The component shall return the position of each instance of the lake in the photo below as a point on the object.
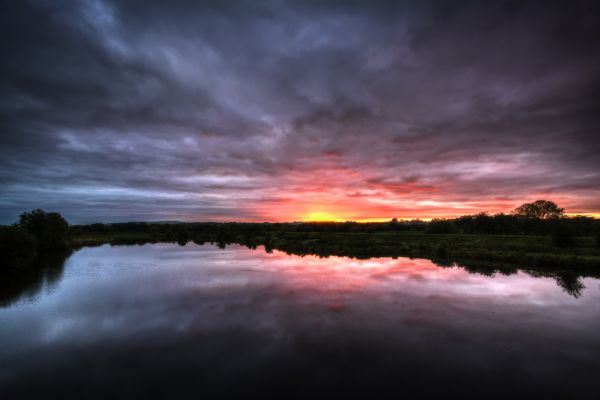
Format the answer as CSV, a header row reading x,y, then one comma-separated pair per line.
x,y
163,320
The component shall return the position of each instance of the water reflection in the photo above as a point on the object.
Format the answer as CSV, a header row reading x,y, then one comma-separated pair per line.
x,y
165,320
47,271
26,283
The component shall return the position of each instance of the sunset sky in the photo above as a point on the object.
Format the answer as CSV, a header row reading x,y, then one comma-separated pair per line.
x,y
297,110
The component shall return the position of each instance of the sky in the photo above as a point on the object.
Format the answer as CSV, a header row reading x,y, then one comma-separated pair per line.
x,y
297,110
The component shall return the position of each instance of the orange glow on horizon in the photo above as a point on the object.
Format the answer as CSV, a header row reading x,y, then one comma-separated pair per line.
x,y
590,215
318,202
330,217
327,216
347,216
322,216
344,194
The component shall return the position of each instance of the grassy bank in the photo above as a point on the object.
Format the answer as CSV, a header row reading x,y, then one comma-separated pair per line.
x,y
493,250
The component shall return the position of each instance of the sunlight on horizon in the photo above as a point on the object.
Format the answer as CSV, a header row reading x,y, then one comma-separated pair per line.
x,y
322,216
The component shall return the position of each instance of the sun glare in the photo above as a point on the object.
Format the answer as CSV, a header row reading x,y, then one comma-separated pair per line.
x,y
322,216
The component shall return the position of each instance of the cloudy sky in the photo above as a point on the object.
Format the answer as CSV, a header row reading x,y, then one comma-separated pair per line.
x,y
291,110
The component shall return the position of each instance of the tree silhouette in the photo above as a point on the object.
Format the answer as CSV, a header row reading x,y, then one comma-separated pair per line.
x,y
50,229
540,209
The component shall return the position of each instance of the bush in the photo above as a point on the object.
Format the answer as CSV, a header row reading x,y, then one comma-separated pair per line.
x,y
50,229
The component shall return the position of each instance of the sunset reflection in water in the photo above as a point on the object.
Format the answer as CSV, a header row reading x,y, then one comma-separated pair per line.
x,y
239,320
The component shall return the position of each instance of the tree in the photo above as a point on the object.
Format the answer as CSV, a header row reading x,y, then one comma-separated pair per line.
x,y
17,247
540,209
50,229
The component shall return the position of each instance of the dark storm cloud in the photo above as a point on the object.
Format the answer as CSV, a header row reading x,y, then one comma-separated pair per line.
x,y
222,110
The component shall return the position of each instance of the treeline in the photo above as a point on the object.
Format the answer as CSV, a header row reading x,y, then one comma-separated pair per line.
x,y
505,224
541,217
174,229
479,224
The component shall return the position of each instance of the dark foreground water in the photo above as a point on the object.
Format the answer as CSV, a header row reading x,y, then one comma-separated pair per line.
x,y
163,320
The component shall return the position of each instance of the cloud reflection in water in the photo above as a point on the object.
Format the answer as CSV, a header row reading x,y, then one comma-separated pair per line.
x,y
196,319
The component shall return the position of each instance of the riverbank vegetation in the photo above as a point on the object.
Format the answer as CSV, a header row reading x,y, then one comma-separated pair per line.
x,y
536,234
563,249
545,242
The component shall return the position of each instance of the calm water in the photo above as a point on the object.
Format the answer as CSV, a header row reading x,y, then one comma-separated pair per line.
x,y
165,320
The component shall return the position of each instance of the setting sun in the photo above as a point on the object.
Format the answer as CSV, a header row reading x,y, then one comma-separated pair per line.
x,y
322,216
